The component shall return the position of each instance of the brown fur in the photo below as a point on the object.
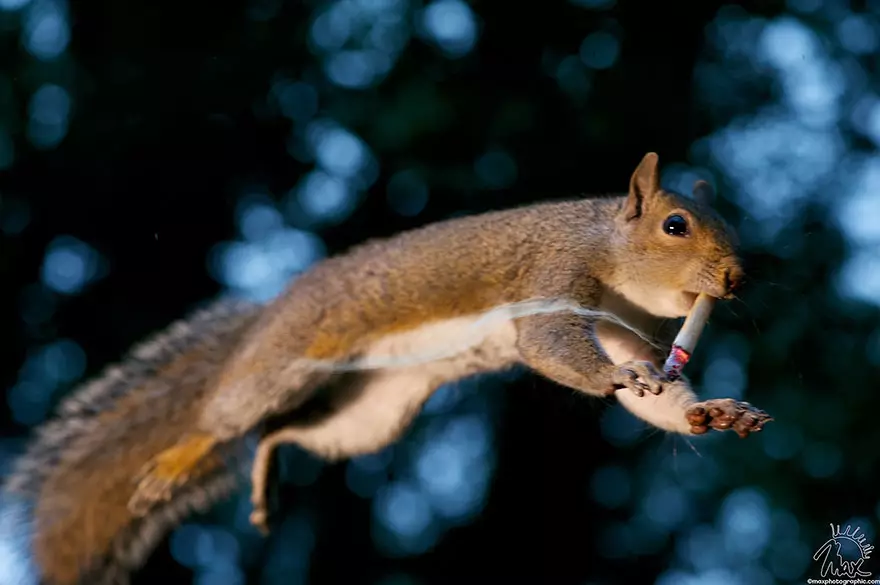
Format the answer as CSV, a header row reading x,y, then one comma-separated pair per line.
x,y
226,374
79,510
575,249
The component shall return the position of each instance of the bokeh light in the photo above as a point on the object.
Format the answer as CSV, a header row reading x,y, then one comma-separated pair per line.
x,y
355,118
451,25
70,265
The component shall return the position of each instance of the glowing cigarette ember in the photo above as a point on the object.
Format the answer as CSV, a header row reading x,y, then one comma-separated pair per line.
x,y
686,340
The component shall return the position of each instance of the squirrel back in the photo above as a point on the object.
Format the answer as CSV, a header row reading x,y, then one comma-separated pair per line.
x,y
75,478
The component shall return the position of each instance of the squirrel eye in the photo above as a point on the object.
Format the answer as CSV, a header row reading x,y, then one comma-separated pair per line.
x,y
675,225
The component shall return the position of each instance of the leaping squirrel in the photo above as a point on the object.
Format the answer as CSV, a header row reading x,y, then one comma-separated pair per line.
x,y
131,453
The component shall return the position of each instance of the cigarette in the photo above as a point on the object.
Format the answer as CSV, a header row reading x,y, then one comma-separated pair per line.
x,y
687,337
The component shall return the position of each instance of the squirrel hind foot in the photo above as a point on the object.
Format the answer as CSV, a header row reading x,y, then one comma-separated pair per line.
x,y
259,519
169,470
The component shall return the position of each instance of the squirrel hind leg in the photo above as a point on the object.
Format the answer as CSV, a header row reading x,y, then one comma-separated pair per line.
x,y
169,470
260,473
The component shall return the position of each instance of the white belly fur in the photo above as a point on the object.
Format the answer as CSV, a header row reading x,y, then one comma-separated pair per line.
x,y
389,398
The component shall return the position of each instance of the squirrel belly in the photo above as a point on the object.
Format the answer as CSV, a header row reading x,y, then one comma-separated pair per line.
x,y
76,476
370,409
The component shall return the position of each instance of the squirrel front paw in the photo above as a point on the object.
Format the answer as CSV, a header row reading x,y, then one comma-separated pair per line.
x,y
639,377
726,413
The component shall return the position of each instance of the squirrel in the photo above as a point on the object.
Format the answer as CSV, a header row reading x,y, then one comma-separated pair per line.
x,y
149,441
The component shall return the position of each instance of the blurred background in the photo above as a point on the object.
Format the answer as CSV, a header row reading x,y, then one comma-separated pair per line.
x,y
156,155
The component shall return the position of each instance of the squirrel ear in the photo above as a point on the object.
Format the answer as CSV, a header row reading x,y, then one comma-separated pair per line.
x,y
704,192
645,182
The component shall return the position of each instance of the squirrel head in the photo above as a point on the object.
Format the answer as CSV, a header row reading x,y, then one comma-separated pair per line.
x,y
673,247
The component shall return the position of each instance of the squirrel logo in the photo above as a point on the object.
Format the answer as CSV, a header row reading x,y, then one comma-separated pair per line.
x,y
843,554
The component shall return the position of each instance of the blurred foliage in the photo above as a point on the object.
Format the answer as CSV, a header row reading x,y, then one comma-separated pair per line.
x,y
152,156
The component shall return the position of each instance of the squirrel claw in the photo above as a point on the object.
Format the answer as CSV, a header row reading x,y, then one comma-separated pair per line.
x,y
639,377
726,414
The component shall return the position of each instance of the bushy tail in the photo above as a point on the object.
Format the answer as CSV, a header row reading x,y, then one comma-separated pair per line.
x,y
77,476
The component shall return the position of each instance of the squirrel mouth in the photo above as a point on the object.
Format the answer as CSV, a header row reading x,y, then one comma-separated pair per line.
x,y
690,298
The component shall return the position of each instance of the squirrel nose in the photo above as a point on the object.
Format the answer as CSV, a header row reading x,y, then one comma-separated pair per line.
x,y
733,277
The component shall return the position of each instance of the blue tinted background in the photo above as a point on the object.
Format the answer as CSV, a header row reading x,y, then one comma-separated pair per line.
x,y
152,157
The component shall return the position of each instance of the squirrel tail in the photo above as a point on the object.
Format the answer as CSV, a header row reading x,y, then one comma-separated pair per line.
x,y
76,478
